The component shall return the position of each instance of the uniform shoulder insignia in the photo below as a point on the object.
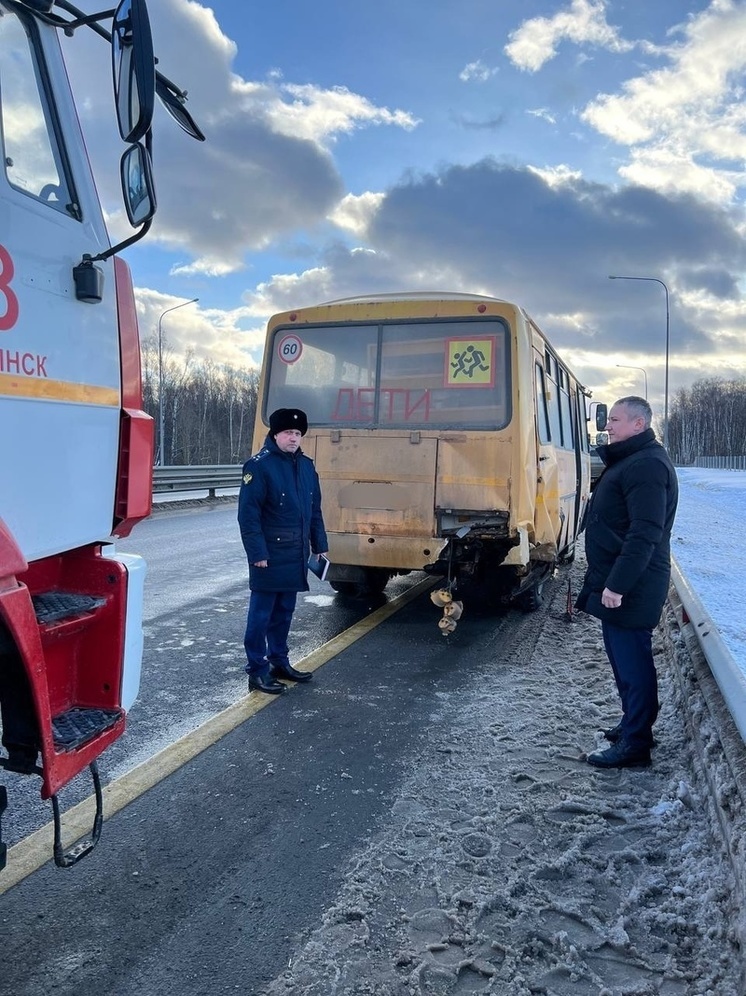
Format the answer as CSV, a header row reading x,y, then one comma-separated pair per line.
x,y
248,478
253,460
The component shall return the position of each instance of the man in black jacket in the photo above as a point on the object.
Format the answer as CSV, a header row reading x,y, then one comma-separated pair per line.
x,y
279,515
627,545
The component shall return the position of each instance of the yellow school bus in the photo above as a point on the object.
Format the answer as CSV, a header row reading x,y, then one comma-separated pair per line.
x,y
448,434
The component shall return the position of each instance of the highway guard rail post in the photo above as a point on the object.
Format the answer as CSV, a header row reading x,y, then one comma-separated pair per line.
x,y
207,477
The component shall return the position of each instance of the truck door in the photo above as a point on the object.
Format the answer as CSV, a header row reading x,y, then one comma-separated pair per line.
x,y
59,357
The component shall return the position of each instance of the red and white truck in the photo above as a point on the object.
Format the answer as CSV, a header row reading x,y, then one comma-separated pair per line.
x,y
76,448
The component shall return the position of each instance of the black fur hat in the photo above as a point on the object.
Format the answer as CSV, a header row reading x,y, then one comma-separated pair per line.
x,y
288,418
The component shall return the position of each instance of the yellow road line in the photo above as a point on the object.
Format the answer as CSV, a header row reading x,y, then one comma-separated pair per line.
x,y
34,851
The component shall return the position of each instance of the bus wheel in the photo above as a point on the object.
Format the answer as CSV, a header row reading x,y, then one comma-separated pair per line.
x,y
530,599
350,589
376,579
371,582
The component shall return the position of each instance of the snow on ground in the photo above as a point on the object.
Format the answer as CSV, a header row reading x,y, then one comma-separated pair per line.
x,y
510,866
707,545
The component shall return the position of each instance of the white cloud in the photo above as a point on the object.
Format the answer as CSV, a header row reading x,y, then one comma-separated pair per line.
x,y
320,115
476,71
353,213
543,114
535,42
686,124
265,169
556,176
205,334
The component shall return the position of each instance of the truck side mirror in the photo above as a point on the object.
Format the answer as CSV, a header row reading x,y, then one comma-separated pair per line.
x,y
602,415
133,66
138,188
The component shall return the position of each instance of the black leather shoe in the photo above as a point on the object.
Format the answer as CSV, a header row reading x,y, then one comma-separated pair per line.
x,y
289,673
620,755
615,734
262,683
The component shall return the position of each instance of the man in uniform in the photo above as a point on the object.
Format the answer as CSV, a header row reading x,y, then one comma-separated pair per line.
x,y
279,515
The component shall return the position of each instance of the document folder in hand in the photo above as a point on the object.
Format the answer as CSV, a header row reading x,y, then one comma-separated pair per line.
x,y
318,565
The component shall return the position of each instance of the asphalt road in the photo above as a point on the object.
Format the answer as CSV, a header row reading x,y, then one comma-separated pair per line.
x,y
196,593
207,883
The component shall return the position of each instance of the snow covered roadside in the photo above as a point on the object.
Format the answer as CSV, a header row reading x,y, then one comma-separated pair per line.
x,y
706,542
510,866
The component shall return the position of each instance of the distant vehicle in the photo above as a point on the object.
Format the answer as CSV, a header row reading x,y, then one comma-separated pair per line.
x,y
76,450
597,466
448,435
602,438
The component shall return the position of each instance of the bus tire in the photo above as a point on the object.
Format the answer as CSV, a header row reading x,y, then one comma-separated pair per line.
x,y
533,596
373,581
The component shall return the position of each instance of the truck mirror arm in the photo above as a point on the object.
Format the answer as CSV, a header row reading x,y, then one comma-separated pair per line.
x,y
89,279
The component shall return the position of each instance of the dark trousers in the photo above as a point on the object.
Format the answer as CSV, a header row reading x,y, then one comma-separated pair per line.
x,y
267,627
20,728
630,653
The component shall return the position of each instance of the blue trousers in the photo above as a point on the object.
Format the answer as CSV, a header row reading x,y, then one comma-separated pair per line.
x,y
631,656
267,627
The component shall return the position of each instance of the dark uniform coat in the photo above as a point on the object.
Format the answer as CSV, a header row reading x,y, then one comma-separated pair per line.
x,y
279,515
628,532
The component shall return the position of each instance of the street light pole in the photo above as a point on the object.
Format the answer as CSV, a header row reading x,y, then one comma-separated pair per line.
x,y
628,366
161,447
656,280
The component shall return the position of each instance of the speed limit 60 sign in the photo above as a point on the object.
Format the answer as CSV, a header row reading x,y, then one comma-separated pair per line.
x,y
289,348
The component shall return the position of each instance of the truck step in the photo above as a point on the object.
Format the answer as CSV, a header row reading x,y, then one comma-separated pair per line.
x,y
53,606
78,725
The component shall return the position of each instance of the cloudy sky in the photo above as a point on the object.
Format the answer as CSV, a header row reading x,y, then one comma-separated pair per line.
x,y
520,148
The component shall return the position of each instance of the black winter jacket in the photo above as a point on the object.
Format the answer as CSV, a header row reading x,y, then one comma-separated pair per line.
x,y
279,515
628,532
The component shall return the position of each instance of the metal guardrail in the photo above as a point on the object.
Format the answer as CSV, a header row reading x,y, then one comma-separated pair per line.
x,y
719,462
207,477
726,671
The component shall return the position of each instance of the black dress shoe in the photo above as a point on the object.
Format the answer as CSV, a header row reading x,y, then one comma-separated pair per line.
x,y
289,673
615,734
620,755
263,683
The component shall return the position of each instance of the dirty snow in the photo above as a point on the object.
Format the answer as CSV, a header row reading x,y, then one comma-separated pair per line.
x,y
510,866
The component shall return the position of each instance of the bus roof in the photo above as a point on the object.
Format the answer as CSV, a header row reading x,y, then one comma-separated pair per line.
x,y
414,296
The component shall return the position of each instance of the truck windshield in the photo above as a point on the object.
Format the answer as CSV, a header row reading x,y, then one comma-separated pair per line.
x,y
450,373
32,155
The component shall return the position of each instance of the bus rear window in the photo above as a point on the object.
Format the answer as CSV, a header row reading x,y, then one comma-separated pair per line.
x,y
428,374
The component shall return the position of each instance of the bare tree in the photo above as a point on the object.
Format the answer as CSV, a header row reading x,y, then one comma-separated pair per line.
x,y
209,411
708,419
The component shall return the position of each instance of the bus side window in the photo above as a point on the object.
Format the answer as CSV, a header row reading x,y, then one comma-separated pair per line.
x,y
568,440
542,414
553,400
